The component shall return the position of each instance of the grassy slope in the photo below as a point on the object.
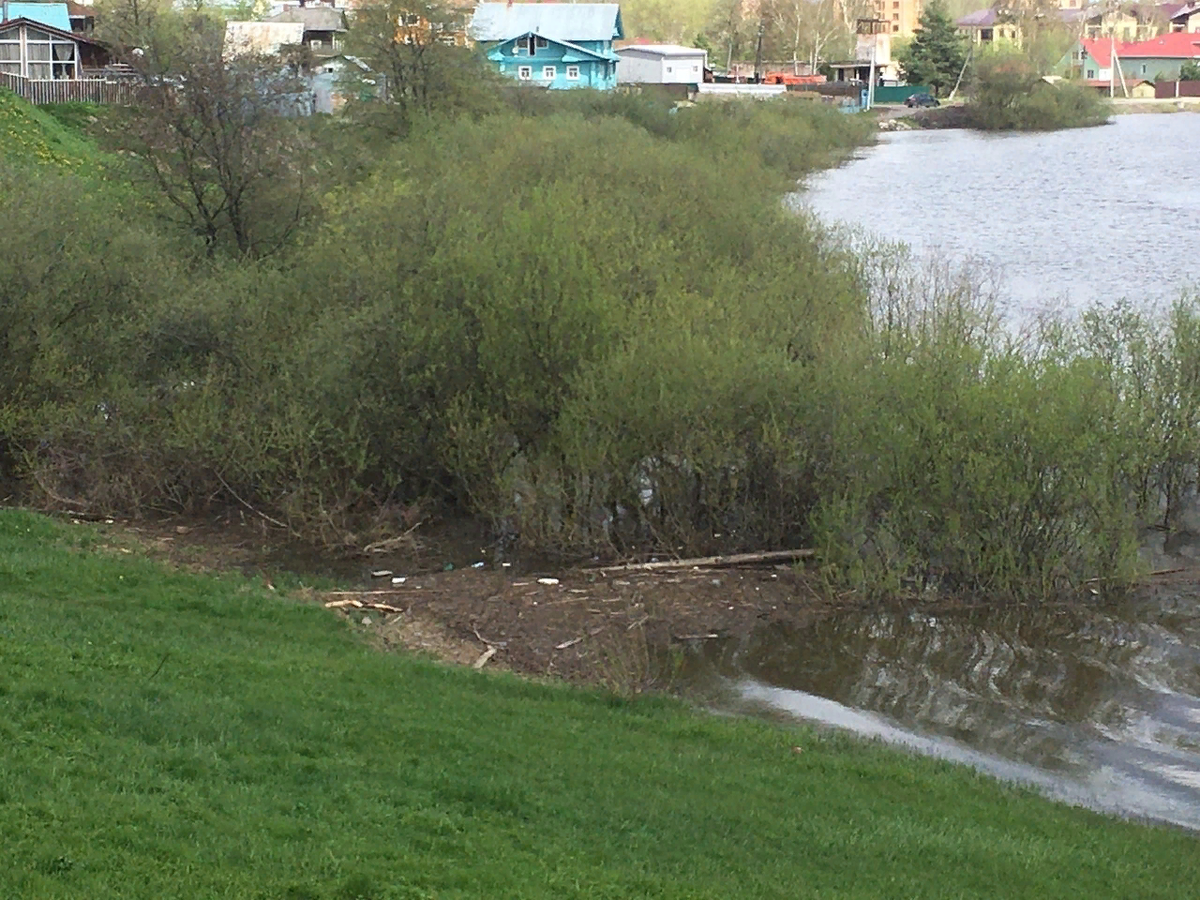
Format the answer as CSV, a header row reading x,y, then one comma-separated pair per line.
x,y
273,755
29,135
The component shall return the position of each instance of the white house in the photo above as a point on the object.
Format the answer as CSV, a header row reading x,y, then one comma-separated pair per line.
x,y
660,64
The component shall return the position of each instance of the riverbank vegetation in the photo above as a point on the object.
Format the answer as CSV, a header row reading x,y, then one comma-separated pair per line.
x,y
1008,93
585,320
166,734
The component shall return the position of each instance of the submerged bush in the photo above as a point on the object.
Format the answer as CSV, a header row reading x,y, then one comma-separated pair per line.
x,y
603,332
1007,93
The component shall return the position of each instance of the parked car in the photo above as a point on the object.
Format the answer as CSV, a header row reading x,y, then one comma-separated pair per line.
x,y
921,100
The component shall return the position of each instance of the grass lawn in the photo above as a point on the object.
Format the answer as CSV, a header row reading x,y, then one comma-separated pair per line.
x,y
168,735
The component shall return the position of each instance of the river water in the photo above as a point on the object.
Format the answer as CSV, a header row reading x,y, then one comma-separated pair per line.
x,y
1098,704
1066,218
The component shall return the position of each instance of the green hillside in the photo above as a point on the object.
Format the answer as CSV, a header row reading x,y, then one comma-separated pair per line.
x,y
29,135
168,735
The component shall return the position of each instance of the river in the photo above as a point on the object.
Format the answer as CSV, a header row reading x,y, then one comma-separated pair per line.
x,y
1066,218
1096,704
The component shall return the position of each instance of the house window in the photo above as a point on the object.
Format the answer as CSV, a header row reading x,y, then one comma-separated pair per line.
x,y
696,69
549,73
669,70
895,4
10,51
895,17
542,43
412,20
1143,68
572,73
48,56
985,34
524,72
1091,74
896,27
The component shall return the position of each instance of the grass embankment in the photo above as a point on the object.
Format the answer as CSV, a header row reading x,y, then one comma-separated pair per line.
x,y
29,135
169,735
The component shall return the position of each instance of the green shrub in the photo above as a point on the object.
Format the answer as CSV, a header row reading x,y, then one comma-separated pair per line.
x,y
1008,94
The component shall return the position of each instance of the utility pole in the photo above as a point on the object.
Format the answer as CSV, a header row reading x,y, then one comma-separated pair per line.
x,y
758,53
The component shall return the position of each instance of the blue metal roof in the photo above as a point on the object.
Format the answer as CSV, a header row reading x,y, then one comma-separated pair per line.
x,y
564,21
53,14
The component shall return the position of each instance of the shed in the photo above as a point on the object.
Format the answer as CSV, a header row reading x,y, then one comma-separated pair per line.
x,y
661,64
261,37
324,27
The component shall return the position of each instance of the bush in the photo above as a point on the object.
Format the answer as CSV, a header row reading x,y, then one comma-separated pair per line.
x,y
604,331
1008,94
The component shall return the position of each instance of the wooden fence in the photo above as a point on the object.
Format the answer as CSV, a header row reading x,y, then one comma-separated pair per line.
x,y
74,90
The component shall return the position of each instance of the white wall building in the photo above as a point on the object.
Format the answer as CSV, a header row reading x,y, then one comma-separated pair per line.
x,y
660,64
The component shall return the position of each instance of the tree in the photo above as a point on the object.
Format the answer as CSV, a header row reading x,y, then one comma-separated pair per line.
x,y
1189,71
938,51
223,141
419,49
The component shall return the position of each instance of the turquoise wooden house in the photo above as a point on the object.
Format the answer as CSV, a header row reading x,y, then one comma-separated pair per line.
x,y
554,45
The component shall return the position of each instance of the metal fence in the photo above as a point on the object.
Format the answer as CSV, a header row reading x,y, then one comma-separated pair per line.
x,y
1166,89
74,90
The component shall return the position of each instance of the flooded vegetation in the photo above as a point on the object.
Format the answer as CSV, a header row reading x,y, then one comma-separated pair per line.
x,y
1097,703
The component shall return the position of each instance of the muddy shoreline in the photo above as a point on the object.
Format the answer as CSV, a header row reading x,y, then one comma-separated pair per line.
x,y
578,622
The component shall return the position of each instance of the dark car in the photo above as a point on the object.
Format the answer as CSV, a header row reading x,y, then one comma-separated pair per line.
x,y
921,100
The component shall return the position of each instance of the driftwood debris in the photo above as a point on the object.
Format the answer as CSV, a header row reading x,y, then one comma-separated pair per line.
x,y
362,604
483,658
715,562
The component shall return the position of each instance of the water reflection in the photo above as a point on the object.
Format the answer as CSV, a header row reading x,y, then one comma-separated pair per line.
x,y
1100,705
1070,217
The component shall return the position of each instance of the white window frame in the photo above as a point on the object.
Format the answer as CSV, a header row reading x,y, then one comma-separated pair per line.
x,y
12,38
525,73
572,73
549,73
41,69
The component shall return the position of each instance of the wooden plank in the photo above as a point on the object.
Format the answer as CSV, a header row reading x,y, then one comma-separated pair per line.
x,y
715,562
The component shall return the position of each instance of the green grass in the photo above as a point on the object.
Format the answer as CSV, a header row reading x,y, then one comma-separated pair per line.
x,y
167,735
33,136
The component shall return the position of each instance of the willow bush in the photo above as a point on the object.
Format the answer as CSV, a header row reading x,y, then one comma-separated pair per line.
x,y
591,323
1007,93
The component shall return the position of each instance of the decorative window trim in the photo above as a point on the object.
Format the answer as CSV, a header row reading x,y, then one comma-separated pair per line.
x,y
525,73
572,73
549,73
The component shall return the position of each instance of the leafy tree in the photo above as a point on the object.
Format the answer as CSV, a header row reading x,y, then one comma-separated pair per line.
x,y
937,52
223,141
417,48
1189,71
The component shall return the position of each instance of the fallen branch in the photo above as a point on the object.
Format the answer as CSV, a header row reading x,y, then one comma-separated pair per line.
x,y
236,497
695,637
391,543
483,658
360,604
1153,574
715,562
565,644
364,593
500,645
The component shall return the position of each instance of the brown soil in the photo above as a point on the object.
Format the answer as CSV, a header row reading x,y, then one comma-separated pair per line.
x,y
584,624
588,626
